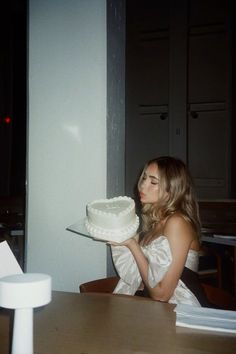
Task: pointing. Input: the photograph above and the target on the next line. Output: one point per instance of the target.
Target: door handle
(194, 114)
(163, 116)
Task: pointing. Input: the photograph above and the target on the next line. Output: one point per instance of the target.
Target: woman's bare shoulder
(177, 219)
(178, 225)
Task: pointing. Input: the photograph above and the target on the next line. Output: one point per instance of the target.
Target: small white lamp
(23, 292)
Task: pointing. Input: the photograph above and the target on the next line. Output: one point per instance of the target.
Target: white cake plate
(80, 228)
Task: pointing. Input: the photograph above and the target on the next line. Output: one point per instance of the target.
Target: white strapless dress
(159, 257)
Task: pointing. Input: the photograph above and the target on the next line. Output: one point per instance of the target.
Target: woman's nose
(142, 185)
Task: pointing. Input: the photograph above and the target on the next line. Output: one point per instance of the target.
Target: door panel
(147, 124)
(208, 67)
(208, 152)
(179, 66)
(203, 12)
(150, 139)
(209, 96)
(152, 73)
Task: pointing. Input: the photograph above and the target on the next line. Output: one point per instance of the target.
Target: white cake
(112, 219)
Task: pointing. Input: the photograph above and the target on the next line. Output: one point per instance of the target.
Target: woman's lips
(142, 195)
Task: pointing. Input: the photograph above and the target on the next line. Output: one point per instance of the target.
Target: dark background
(13, 94)
(13, 88)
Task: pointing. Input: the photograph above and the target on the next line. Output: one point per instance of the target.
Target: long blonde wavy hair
(176, 195)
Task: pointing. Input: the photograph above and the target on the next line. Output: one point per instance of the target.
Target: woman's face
(149, 185)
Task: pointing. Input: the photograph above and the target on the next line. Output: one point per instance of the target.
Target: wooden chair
(210, 266)
(218, 297)
(104, 285)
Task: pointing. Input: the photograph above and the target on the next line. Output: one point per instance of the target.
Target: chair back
(216, 296)
(219, 297)
(104, 285)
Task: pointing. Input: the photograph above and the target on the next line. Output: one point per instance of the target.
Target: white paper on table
(205, 318)
(8, 262)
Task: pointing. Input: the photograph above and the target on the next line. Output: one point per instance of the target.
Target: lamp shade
(25, 290)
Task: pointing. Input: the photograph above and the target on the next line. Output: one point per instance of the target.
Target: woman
(162, 261)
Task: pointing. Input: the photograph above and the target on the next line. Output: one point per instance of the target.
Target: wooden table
(110, 324)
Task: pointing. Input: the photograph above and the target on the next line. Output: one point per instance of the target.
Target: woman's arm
(180, 235)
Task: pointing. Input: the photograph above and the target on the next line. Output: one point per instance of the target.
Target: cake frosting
(112, 219)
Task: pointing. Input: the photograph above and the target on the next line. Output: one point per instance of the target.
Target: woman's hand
(128, 243)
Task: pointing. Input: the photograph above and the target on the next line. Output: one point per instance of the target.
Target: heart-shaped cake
(112, 219)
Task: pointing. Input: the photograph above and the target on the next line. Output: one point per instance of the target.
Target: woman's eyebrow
(154, 177)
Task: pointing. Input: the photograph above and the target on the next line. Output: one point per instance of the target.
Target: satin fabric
(159, 257)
